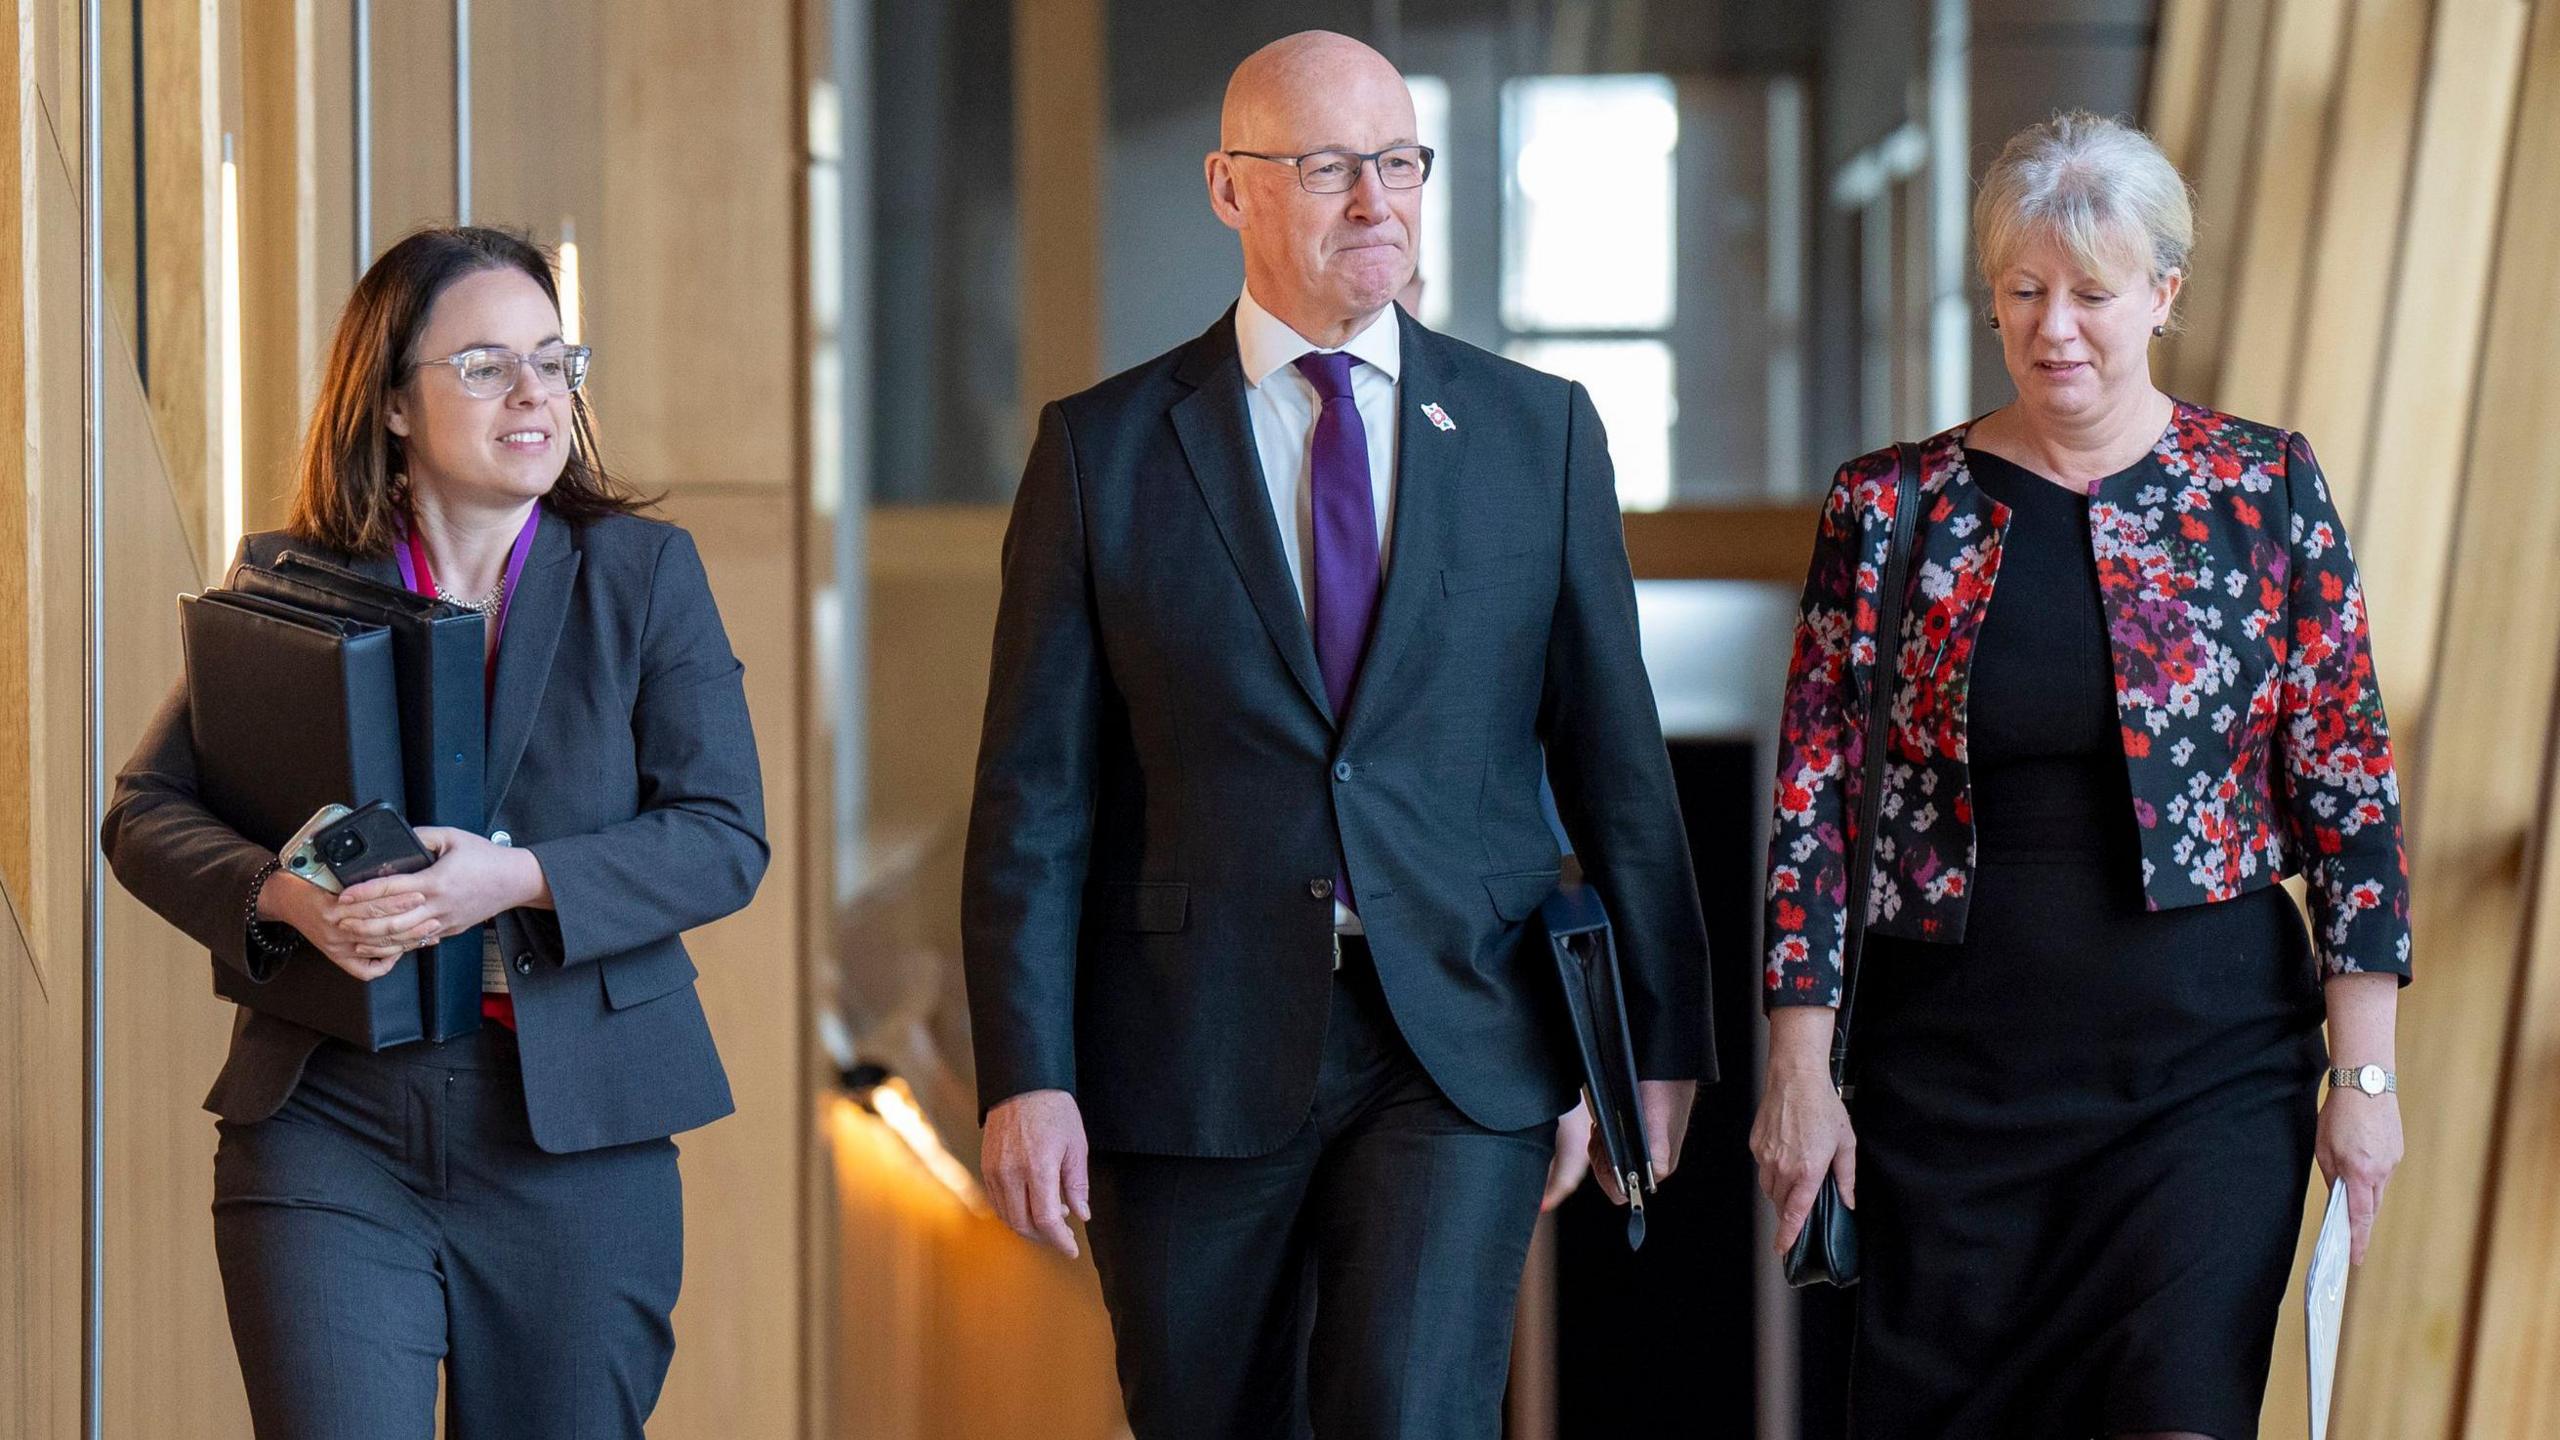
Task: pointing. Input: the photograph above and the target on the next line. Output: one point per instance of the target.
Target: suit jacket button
(524, 964)
(1321, 888)
(1341, 769)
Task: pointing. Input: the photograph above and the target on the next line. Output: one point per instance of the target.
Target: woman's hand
(1802, 1131)
(2360, 1144)
(471, 880)
(2359, 1139)
(364, 937)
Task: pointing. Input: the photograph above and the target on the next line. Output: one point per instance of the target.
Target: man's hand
(1665, 1104)
(1034, 1167)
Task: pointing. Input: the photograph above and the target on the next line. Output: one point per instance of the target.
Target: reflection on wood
(897, 984)
(944, 1324)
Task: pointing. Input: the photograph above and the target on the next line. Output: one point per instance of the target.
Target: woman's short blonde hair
(2098, 187)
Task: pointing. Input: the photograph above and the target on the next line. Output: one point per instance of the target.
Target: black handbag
(1826, 1250)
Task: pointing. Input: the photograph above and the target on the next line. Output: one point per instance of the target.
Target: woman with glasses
(505, 1203)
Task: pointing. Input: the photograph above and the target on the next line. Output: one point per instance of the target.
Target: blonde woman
(2132, 692)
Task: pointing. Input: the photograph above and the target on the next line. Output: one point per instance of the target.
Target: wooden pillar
(1061, 112)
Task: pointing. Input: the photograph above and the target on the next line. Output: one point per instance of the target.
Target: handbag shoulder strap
(1879, 702)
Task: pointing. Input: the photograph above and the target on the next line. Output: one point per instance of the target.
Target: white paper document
(2324, 1303)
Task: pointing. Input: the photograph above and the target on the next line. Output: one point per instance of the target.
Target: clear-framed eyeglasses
(1331, 172)
(487, 373)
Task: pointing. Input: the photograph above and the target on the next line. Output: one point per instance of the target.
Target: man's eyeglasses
(488, 373)
(1331, 172)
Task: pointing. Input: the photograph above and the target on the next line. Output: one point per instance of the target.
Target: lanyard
(419, 575)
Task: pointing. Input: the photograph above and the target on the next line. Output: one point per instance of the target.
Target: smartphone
(368, 844)
(302, 860)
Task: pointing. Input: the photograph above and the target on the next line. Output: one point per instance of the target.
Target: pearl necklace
(487, 604)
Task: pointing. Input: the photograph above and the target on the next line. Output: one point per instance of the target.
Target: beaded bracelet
(260, 940)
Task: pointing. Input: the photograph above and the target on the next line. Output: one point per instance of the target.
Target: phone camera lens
(343, 848)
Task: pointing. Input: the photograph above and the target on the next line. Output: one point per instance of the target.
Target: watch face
(2370, 1079)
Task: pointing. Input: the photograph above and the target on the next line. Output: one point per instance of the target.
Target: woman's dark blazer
(619, 753)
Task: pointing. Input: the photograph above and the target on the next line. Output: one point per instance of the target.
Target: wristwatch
(2371, 1079)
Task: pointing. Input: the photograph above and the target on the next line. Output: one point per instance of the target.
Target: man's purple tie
(1346, 526)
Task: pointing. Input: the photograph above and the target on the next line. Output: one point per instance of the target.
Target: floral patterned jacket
(2253, 731)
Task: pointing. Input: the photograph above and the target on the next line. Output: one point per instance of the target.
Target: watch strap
(2350, 1077)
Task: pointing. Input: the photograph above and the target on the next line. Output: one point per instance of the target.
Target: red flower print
(2250, 719)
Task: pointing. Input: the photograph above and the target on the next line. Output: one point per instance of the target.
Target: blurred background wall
(833, 254)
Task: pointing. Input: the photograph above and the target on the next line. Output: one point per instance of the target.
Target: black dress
(2084, 1132)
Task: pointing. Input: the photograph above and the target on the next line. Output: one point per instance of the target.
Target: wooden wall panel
(2423, 373)
(2439, 294)
(1060, 90)
(934, 585)
(40, 1179)
(2267, 282)
(2181, 64)
(2514, 1333)
(698, 246)
(737, 1368)
(412, 118)
(51, 904)
(282, 326)
(18, 144)
(181, 209)
(170, 1368)
(2513, 1350)
(2357, 234)
(2472, 774)
(39, 1194)
(2223, 166)
(537, 149)
(329, 105)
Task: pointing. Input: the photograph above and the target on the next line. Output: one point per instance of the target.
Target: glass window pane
(1431, 127)
(1630, 384)
(1587, 202)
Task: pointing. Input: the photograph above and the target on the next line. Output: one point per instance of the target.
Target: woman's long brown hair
(349, 491)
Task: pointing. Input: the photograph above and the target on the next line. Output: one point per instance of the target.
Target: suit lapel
(1430, 463)
(1217, 438)
(535, 614)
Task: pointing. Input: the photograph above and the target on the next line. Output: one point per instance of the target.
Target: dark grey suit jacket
(619, 753)
(1162, 784)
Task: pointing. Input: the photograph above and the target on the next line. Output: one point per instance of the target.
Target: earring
(2159, 330)
(1992, 320)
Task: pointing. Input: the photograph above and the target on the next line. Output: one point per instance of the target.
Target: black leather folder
(1586, 955)
(293, 709)
(437, 661)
